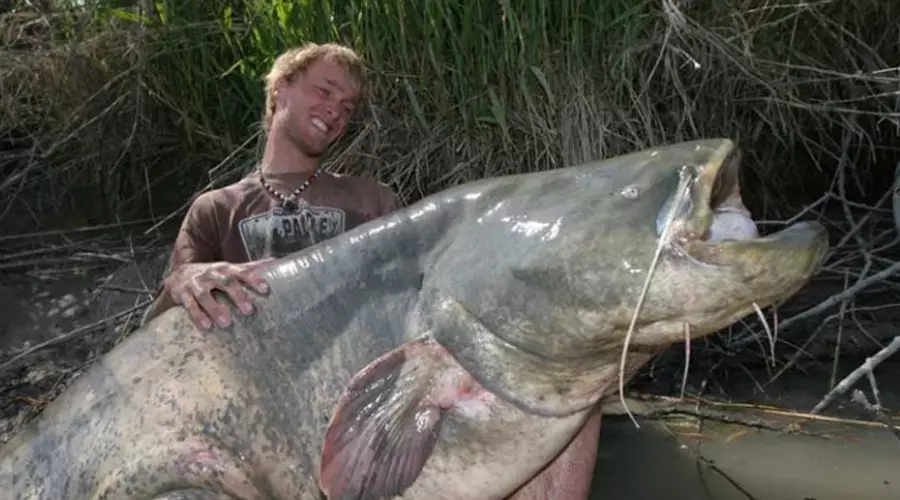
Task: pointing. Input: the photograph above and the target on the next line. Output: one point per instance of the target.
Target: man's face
(314, 107)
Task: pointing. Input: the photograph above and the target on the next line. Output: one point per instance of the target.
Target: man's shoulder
(224, 196)
(364, 183)
(380, 197)
(369, 188)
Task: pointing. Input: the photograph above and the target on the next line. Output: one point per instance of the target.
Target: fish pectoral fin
(386, 423)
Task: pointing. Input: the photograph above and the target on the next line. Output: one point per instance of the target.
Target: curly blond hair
(298, 59)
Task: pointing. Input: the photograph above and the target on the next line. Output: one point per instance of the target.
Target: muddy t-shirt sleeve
(197, 240)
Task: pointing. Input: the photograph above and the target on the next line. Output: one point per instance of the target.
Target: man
(288, 203)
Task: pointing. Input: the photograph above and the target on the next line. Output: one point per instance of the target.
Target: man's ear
(280, 93)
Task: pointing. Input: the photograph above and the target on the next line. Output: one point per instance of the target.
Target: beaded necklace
(290, 202)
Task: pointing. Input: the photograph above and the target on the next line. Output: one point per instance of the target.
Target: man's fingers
(255, 281)
(202, 292)
(195, 292)
(231, 277)
(217, 311)
(251, 276)
(193, 308)
(239, 297)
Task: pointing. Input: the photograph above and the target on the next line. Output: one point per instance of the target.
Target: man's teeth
(319, 124)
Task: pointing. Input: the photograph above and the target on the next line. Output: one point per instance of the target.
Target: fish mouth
(712, 227)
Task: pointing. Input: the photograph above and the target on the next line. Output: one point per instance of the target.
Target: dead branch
(875, 409)
(59, 232)
(864, 369)
(835, 299)
(664, 407)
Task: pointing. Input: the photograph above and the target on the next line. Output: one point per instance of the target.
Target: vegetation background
(118, 112)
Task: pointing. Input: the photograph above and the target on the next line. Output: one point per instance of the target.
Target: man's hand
(191, 286)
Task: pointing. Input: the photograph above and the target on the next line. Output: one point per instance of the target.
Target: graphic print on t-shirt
(277, 232)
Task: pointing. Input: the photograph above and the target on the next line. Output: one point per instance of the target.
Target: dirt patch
(53, 324)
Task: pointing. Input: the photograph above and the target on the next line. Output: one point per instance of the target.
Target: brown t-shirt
(242, 222)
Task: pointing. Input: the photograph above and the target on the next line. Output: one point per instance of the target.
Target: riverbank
(685, 457)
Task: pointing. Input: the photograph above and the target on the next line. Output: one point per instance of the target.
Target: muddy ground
(57, 316)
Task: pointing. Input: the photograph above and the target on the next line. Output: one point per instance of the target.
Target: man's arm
(196, 269)
(197, 242)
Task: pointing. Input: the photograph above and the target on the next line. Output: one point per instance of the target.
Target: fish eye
(630, 192)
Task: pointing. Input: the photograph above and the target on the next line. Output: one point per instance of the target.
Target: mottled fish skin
(517, 287)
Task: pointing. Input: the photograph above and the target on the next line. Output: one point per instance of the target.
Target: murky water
(717, 461)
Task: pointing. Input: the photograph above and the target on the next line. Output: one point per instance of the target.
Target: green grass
(126, 113)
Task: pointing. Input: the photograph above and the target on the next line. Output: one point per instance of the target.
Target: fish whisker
(769, 334)
(687, 358)
(681, 198)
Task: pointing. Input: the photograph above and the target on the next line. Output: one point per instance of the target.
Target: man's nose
(331, 110)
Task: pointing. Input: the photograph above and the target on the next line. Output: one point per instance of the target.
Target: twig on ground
(103, 256)
(876, 410)
(660, 407)
(84, 254)
(867, 367)
(126, 289)
(49, 262)
(59, 232)
(73, 334)
(37, 252)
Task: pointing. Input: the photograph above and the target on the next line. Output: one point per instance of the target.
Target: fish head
(678, 248)
(644, 246)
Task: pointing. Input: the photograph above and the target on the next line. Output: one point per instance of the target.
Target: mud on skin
(447, 351)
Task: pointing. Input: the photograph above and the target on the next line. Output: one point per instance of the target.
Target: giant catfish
(447, 351)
